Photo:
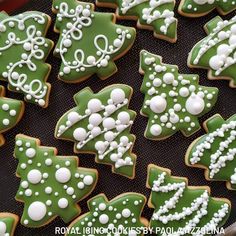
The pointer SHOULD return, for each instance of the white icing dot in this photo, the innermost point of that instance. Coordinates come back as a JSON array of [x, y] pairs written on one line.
[[117, 95], [48, 162], [24, 184], [80, 185], [124, 117], [91, 60], [102, 206], [37, 210], [158, 104], [95, 119], [5, 107], [3, 228], [155, 130], [19, 143], [109, 123], [117, 43], [63, 203], [195, 104], [12, 112], [168, 78], [73, 117], [27, 46], [126, 213], [94, 105], [70, 191], [48, 190], [80, 134], [88, 180], [63, 175], [6, 121], [28, 192], [34, 176], [184, 92], [109, 136], [67, 43], [66, 70], [30, 152], [103, 219]]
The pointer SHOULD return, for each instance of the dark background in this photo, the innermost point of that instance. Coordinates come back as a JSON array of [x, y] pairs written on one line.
[[170, 153]]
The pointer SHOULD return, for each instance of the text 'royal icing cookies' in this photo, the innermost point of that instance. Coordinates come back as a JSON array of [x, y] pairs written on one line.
[[89, 41], [112, 217], [23, 51], [101, 124], [50, 185], [181, 207], [197, 8], [11, 112], [217, 52], [156, 15], [8, 222], [173, 102], [216, 151]]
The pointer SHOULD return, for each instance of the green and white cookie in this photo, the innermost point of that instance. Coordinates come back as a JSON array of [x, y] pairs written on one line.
[[217, 52], [50, 185], [8, 223], [100, 124], [216, 151], [23, 51], [89, 41], [156, 15], [173, 102]]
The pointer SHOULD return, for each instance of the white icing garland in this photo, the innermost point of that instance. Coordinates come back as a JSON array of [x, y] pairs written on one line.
[[198, 206], [225, 56], [82, 17], [150, 14], [34, 89], [104, 148], [218, 160]]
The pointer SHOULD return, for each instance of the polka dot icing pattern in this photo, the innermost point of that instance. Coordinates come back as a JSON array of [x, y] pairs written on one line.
[[8, 222], [101, 124], [181, 207], [11, 111], [217, 52], [23, 49], [172, 101], [216, 151], [196, 8], [122, 212], [107, 41], [157, 15], [50, 185]]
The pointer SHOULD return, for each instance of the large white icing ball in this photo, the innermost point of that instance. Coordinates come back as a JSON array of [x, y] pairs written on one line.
[[158, 104], [95, 119], [80, 134], [37, 210], [34, 176], [94, 105], [168, 78], [30, 152], [88, 180], [195, 104], [103, 219], [63, 175], [117, 95], [109, 123], [124, 117], [63, 203], [73, 117], [155, 130]]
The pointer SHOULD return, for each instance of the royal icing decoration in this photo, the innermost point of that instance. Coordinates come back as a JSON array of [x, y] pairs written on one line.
[[101, 124], [216, 151], [8, 222], [122, 212], [196, 8], [157, 15], [183, 208], [23, 50], [217, 52], [89, 41], [50, 185], [173, 102], [11, 112]]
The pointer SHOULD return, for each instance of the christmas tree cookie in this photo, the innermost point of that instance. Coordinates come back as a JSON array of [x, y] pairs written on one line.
[[50, 185], [113, 216], [89, 41], [217, 52], [11, 111], [156, 15], [8, 222], [216, 151], [23, 51], [101, 124], [173, 102], [183, 208], [197, 8]]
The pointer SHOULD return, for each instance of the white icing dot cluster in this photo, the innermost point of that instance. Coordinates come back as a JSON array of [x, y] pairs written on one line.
[[82, 16], [104, 128], [223, 39], [223, 137], [174, 99], [197, 210], [114, 215], [7, 114], [46, 177], [32, 45], [153, 12]]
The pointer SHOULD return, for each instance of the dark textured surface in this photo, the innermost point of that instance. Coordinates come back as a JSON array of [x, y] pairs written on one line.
[[170, 153]]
